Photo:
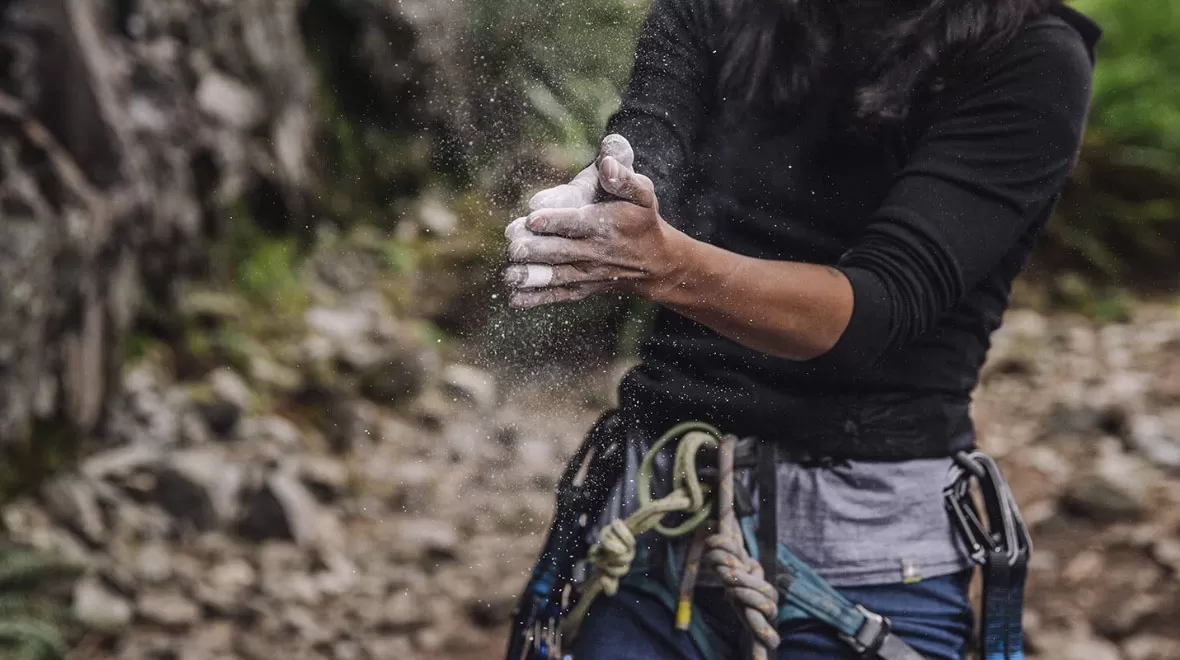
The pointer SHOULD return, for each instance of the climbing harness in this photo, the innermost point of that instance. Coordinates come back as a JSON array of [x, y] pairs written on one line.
[[723, 550], [1001, 545], [708, 503]]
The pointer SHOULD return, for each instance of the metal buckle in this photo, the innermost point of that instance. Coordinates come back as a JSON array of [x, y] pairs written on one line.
[[872, 633]]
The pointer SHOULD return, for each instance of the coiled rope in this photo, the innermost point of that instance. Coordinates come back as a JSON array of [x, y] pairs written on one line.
[[725, 553]]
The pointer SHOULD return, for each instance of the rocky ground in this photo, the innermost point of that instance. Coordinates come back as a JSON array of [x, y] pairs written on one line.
[[341, 487]]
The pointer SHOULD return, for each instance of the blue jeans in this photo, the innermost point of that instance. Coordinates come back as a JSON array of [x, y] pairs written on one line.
[[934, 616]]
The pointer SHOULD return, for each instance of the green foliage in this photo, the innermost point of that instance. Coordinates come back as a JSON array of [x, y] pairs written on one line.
[[369, 168], [1136, 102], [34, 623], [570, 66], [268, 275], [1119, 221], [260, 266]]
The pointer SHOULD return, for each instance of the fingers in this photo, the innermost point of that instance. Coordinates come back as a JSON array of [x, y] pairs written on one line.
[[536, 276], [517, 230], [617, 147], [530, 276], [625, 183], [551, 250], [570, 223], [554, 236], [582, 189], [526, 298], [579, 191]]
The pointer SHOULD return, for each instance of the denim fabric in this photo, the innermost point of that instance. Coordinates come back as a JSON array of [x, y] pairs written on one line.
[[934, 616]]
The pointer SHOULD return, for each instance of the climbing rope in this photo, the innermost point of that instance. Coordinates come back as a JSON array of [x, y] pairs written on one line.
[[727, 557], [612, 555], [724, 551]]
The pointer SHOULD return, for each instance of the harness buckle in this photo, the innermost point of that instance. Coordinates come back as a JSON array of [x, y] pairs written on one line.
[[872, 634]]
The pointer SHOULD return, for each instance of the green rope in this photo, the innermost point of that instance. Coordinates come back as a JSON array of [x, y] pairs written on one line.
[[612, 555]]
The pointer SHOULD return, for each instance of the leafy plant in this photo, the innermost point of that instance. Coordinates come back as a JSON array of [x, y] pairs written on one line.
[[569, 69], [34, 622], [1119, 221], [1136, 107]]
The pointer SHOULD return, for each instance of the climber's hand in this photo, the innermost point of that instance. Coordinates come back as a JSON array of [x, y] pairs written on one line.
[[584, 189], [567, 254]]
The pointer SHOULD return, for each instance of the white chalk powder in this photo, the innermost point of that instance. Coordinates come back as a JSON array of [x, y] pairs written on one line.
[[538, 276]]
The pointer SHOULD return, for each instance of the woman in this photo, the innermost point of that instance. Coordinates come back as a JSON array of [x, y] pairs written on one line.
[[829, 200]]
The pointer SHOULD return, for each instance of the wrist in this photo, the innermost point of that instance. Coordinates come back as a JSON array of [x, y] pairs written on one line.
[[669, 283]]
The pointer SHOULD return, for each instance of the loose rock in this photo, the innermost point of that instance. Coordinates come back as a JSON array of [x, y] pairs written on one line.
[[425, 538], [282, 509], [1095, 497], [74, 502], [469, 384], [168, 609], [325, 476], [96, 605], [199, 486]]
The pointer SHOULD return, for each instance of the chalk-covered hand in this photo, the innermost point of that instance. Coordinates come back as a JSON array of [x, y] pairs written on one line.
[[584, 188], [620, 245]]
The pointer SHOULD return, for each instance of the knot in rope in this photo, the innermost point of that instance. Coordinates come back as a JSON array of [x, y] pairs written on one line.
[[724, 552], [727, 557], [746, 587], [612, 555]]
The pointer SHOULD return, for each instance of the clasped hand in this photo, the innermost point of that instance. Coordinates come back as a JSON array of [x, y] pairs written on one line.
[[600, 233]]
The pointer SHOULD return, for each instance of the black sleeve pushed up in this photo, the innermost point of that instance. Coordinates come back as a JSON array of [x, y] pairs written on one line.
[[667, 98], [976, 181]]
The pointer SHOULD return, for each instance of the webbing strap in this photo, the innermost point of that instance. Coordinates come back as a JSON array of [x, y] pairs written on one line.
[[805, 595], [767, 509], [1003, 608]]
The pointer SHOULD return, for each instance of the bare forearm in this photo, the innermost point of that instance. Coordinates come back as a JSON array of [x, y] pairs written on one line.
[[790, 310]]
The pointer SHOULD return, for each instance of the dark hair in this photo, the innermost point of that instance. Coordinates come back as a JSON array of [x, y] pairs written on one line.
[[887, 53]]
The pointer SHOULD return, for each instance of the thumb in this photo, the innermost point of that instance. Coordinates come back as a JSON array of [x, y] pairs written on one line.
[[625, 183], [616, 146]]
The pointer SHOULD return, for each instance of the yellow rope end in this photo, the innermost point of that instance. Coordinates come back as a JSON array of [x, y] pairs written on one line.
[[683, 614]]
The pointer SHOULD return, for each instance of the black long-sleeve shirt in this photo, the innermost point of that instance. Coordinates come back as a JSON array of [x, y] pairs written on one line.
[[930, 222]]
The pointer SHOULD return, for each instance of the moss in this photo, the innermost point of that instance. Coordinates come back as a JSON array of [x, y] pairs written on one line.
[[268, 276]]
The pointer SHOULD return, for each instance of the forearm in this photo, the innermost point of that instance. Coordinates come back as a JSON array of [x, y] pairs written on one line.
[[787, 309]]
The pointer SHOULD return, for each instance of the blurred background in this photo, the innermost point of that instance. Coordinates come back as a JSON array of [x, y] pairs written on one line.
[[260, 396]]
